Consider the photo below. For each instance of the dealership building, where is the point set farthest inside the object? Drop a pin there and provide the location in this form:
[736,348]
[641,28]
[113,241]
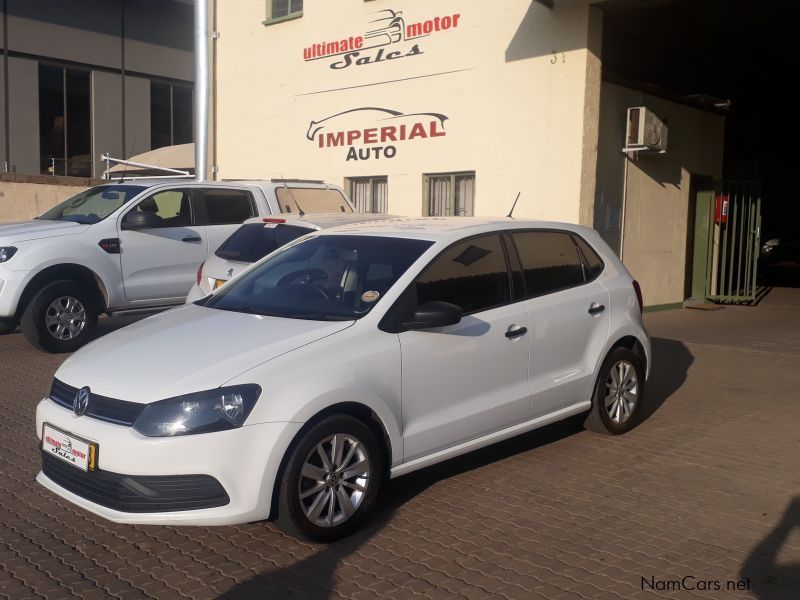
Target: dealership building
[455,107]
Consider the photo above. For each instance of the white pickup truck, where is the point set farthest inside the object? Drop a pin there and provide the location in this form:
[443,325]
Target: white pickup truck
[129,247]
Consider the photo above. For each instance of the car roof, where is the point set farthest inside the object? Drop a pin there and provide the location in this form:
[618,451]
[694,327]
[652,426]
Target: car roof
[262,183]
[319,220]
[447,228]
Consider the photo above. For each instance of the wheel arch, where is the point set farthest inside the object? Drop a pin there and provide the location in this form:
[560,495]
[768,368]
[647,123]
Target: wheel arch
[69,272]
[633,344]
[360,411]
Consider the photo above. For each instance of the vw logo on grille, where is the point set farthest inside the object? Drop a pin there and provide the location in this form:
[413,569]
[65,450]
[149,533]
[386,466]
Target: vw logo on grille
[81,402]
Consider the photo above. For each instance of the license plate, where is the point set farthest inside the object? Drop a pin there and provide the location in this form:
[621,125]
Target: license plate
[219,282]
[70,448]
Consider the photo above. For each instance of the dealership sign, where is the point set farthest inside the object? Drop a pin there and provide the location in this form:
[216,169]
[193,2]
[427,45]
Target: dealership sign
[371,132]
[389,37]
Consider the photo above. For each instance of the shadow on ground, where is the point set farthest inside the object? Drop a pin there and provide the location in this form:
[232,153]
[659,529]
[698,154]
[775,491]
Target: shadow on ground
[671,362]
[768,579]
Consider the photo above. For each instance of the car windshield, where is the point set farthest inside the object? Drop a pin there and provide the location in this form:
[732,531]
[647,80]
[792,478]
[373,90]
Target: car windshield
[324,278]
[92,205]
[253,241]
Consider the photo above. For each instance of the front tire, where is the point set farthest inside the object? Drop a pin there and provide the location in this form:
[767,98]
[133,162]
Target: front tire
[61,317]
[618,394]
[331,480]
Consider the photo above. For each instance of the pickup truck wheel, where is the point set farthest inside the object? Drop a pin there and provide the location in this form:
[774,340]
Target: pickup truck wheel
[61,317]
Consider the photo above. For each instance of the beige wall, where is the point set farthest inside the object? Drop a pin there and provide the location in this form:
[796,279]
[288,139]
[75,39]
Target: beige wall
[22,201]
[657,194]
[511,79]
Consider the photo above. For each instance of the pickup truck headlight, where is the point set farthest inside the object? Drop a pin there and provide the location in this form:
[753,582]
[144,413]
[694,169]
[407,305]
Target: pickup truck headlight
[201,412]
[6,252]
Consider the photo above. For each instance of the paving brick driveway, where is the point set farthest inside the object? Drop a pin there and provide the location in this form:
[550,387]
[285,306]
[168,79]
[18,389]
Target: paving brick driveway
[706,489]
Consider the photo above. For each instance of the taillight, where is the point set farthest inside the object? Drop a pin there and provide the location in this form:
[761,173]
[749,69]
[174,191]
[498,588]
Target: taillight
[200,272]
[273,220]
[637,288]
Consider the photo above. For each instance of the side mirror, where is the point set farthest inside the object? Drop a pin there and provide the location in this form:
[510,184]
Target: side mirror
[434,314]
[140,219]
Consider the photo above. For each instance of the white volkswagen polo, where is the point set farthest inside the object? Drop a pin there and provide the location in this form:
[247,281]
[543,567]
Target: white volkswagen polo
[354,354]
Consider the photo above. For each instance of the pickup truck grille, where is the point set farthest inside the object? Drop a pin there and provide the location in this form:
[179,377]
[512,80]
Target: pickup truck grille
[119,412]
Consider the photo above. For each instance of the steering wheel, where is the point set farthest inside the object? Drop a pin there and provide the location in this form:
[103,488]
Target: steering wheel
[302,278]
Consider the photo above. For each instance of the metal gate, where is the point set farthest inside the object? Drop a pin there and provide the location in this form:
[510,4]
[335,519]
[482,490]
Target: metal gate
[734,228]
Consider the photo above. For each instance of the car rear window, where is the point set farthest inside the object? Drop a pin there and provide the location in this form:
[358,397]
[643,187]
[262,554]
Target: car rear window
[311,200]
[254,241]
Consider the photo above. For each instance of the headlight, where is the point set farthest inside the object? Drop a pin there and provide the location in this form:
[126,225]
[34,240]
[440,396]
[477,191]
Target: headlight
[6,252]
[202,412]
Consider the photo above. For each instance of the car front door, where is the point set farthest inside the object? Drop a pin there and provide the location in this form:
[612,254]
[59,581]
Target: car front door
[569,313]
[466,380]
[160,260]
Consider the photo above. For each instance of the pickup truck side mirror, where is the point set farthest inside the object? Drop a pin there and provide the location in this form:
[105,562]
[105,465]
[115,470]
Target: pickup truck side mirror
[140,219]
[434,314]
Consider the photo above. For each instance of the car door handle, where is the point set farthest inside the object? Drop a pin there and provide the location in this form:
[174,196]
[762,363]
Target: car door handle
[596,309]
[516,332]
[192,238]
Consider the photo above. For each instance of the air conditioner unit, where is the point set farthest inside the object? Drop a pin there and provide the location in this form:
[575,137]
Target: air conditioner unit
[645,131]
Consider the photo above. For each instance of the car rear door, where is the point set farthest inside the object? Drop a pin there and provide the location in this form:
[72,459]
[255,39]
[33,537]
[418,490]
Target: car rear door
[569,314]
[470,379]
[160,263]
[220,211]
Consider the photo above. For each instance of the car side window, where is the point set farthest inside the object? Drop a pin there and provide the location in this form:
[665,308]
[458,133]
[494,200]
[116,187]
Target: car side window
[472,274]
[171,208]
[550,261]
[594,264]
[226,207]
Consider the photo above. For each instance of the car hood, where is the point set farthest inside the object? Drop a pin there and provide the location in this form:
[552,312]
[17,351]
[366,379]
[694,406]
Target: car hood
[187,349]
[34,230]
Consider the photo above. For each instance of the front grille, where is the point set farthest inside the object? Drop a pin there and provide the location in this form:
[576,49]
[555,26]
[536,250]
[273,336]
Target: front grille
[106,409]
[137,493]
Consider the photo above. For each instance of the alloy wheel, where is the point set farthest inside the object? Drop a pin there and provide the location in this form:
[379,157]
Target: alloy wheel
[622,391]
[334,480]
[65,318]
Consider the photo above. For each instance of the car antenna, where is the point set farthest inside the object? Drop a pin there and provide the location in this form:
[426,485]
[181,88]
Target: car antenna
[513,206]
[288,189]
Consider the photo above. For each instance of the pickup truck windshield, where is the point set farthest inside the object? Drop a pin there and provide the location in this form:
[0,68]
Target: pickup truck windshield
[92,205]
[322,278]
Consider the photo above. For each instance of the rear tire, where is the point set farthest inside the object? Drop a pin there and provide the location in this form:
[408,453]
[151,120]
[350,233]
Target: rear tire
[326,498]
[618,394]
[61,317]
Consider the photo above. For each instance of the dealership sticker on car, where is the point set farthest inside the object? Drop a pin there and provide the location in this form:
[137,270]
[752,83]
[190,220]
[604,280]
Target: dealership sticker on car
[219,282]
[69,448]
[370,296]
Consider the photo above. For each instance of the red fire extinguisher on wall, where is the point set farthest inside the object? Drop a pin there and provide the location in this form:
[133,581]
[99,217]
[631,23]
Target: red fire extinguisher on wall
[721,209]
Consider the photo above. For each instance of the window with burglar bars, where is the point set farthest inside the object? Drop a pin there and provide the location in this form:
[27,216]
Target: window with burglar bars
[282,9]
[369,194]
[450,194]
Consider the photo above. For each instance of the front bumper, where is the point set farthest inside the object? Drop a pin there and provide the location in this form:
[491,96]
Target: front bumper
[244,461]
[12,283]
